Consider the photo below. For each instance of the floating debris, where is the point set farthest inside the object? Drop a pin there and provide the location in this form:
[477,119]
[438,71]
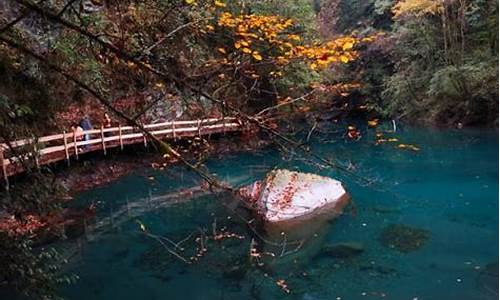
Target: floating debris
[380,139]
[353,133]
[283,285]
[373,123]
[409,147]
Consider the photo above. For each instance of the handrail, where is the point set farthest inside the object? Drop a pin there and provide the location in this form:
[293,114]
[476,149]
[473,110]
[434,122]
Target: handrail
[55,137]
[70,143]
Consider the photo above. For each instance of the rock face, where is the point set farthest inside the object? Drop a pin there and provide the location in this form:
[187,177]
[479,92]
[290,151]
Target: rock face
[286,197]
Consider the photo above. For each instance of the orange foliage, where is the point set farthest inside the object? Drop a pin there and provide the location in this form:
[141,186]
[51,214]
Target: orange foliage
[28,226]
[255,35]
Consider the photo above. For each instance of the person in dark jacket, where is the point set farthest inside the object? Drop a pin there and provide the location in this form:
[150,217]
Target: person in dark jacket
[85,124]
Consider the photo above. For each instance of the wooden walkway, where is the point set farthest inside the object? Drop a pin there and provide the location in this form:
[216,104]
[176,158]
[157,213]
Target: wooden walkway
[53,148]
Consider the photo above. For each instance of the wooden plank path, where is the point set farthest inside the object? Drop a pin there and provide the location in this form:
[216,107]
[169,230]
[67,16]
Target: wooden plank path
[53,148]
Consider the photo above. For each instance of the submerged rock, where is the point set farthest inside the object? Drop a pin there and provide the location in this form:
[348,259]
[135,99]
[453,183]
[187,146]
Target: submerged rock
[385,209]
[343,250]
[378,270]
[403,238]
[488,278]
[235,273]
[288,197]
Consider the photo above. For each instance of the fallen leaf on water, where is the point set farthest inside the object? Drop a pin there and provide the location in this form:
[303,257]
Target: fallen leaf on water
[373,123]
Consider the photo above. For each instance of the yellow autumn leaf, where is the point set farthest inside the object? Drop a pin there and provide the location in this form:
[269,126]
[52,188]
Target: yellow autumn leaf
[313,66]
[237,45]
[256,55]
[373,123]
[190,2]
[276,74]
[246,50]
[219,3]
[347,46]
[344,59]
[222,50]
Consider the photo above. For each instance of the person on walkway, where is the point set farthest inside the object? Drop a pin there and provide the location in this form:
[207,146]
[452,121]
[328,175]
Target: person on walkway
[106,123]
[85,124]
[78,133]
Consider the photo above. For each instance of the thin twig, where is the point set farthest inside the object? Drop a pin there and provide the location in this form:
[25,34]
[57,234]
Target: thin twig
[169,35]
[303,97]
[155,237]
[311,131]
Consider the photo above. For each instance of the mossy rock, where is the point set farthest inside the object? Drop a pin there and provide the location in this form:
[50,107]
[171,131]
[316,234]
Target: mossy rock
[404,238]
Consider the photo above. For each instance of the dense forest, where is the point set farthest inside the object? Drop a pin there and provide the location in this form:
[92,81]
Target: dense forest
[273,63]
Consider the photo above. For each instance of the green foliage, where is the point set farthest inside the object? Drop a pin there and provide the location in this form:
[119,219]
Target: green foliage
[419,72]
[299,77]
[303,11]
[446,85]
[23,108]
[38,194]
[467,92]
[34,273]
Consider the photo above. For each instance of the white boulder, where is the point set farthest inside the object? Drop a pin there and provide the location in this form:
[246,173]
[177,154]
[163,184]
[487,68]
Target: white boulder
[287,197]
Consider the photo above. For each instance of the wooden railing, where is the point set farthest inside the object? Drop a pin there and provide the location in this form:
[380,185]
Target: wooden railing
[62,146]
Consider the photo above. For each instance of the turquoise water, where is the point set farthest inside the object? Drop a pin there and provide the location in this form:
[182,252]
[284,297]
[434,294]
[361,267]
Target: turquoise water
[449,188]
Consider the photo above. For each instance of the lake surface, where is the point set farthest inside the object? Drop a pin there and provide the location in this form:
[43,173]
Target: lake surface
[447,190]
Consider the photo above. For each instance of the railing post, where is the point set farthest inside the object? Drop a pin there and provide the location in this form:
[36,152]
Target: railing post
[4,168]
[66,147]
[145,139]
[173,129]
[74,144]
[35,150]
[199,128]
[120,133]
[224,125]
[102,140]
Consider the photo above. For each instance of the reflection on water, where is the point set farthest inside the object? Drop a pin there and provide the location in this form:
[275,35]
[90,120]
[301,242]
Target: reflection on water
[429,230]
